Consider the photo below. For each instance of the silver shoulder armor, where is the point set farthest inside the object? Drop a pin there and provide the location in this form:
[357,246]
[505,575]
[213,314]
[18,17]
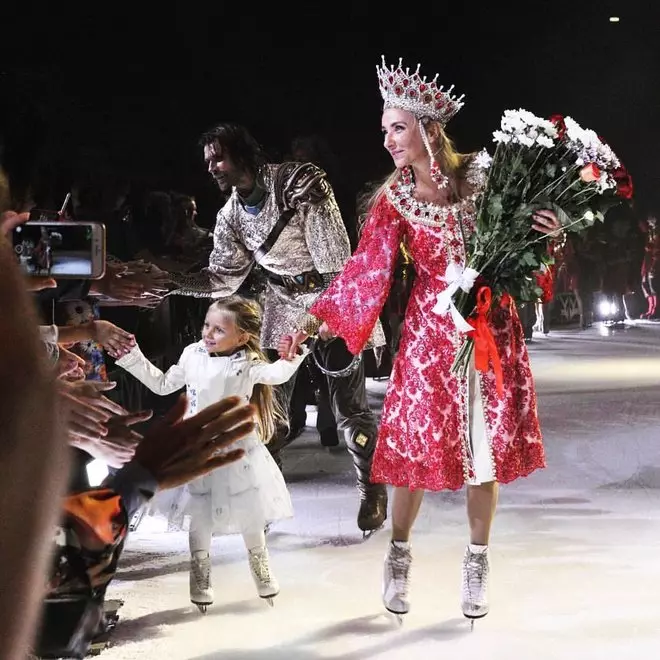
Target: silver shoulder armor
[300,183]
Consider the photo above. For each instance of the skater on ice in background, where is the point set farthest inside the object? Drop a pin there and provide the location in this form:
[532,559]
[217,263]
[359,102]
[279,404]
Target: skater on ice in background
[250,494]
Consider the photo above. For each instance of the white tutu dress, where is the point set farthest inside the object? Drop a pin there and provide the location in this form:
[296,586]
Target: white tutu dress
[245,495]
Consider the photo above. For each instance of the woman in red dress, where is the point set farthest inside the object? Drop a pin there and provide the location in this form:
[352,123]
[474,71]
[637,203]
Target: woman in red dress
[438,430]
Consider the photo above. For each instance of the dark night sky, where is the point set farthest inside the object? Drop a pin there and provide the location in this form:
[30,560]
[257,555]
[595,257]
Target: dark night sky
[144,86]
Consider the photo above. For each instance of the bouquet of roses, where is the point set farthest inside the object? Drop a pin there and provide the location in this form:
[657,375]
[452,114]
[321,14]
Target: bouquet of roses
[538,164]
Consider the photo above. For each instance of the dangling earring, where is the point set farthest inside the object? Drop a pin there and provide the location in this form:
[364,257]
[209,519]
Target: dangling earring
[437,176]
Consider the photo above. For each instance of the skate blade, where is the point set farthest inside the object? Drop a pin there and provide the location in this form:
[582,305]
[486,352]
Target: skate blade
[472,619]
[398,617]
[368,533]
[202,607]
[269,599]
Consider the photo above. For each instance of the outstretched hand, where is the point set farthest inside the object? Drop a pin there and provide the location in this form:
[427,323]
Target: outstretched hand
[88,410]
[133,283]
[115,341]
[176,451]
[118,447]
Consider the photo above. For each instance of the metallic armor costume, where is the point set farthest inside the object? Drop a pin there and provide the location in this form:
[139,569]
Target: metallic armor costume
[300,265]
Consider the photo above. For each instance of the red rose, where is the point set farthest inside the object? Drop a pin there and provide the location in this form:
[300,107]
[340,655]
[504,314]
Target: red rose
[590,173]
[624,184]
[545,280]
[558,121]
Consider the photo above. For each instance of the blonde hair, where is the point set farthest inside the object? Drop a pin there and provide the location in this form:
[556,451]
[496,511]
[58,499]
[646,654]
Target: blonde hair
[247,316]
[452,164]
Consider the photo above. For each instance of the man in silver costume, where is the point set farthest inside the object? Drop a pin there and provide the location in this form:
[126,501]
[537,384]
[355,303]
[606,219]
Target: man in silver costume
[296,264]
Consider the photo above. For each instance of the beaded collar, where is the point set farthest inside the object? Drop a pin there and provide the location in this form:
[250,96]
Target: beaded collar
[401,196]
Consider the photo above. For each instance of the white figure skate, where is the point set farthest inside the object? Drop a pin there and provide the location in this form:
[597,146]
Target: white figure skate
[267,585]
[396,579]
[201,592]
[474,597]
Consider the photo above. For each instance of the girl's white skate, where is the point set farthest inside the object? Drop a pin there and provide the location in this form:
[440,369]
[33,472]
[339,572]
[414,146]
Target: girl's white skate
[201,592]
[474,598]
[267,585]
[396,579]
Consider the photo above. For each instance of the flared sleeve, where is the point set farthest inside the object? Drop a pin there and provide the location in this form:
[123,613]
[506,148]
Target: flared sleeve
[352,303]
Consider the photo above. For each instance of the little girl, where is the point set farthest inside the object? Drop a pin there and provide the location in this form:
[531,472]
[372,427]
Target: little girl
[250,493]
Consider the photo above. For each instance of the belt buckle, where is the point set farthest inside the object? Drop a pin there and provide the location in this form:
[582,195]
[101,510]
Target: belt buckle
[303,283]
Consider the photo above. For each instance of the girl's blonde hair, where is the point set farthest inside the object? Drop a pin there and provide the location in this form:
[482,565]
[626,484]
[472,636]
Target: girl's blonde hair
[247,316]
[452,164]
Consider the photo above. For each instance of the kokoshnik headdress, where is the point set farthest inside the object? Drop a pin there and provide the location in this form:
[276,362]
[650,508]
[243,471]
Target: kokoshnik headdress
[423,98]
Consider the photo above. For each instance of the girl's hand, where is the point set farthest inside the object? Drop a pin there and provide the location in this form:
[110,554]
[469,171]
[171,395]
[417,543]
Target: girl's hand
[546,222]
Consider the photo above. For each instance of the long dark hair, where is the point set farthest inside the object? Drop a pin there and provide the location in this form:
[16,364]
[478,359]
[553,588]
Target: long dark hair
[245,152]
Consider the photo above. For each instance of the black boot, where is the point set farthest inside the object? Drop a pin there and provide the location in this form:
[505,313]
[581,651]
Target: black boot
[329,437]
[373,497]
[373,507]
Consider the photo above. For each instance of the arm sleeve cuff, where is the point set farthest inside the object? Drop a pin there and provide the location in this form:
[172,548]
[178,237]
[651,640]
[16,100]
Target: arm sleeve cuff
[134,484]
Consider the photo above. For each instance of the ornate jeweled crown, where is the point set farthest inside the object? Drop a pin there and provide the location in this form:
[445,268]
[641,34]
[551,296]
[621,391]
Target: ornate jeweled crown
[401,89]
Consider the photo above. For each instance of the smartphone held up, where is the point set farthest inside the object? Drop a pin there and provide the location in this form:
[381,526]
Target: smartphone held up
[46,246]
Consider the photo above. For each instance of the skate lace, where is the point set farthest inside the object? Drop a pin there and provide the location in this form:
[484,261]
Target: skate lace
[476,569]
[202,573]
[399,568]
[260,566]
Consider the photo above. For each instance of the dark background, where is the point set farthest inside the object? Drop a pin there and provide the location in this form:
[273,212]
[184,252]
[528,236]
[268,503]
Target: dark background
[128,90]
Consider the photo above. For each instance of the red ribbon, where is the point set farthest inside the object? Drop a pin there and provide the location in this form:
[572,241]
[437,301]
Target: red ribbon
[485,349]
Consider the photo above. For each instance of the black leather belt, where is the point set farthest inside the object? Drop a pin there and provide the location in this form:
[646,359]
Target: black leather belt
[303,283]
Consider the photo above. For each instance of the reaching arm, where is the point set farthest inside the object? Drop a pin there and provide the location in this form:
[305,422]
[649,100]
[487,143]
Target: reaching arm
[150,375]
[277,372]
[230,263]
[352,303]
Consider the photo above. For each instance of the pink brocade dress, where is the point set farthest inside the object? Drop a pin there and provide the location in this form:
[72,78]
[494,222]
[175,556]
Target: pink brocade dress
[424,435]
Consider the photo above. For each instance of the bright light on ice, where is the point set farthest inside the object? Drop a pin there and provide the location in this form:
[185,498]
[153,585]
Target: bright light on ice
[97,471]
